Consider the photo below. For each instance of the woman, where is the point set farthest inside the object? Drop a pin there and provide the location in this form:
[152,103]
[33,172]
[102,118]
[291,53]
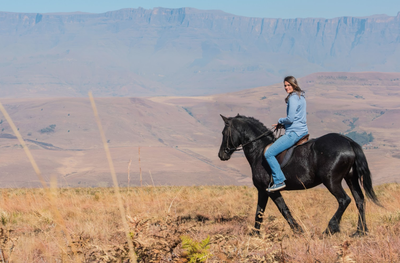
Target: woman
[295,125]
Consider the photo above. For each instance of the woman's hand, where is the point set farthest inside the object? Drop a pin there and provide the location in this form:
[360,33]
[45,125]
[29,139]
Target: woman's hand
[278,126]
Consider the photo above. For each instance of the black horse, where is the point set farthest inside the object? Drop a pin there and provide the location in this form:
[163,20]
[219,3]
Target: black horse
[328,160]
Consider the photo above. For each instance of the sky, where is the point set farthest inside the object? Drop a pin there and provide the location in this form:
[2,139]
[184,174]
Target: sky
[249,8]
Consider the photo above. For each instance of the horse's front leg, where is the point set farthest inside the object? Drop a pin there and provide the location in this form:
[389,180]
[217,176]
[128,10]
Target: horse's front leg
[280,203]
[261,204]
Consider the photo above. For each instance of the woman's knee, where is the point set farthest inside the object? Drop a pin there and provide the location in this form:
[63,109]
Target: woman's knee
[268,154]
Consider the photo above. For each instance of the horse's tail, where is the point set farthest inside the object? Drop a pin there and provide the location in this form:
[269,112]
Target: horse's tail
[361,170]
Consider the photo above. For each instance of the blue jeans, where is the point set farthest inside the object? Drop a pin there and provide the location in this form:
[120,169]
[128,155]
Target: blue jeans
[283,143]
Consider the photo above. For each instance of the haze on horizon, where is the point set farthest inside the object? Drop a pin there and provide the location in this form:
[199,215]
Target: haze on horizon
[252,8]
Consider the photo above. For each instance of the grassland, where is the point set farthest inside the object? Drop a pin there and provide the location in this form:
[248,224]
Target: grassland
[160,216]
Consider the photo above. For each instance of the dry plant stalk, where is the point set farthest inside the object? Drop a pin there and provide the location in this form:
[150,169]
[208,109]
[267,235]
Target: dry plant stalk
[51,197]
[114,177]
[140,170]
[129,172]
[169,208]
[151,177]
[7,244]
[343,253]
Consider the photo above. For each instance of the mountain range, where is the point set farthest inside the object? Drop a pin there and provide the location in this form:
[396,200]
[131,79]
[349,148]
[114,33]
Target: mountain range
[139,52]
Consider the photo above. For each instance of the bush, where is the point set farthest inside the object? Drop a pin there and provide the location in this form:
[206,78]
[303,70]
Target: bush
[48,129]
[360,138]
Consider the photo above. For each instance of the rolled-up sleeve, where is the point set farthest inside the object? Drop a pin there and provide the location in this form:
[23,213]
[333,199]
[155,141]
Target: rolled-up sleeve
[293,104]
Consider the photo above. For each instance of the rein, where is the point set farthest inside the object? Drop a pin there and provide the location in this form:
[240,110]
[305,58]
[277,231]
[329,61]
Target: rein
[240,147]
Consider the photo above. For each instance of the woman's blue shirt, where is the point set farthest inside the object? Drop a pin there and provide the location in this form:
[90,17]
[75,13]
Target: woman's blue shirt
[296,119]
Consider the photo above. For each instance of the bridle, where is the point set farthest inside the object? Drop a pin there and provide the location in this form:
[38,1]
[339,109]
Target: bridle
[240,147]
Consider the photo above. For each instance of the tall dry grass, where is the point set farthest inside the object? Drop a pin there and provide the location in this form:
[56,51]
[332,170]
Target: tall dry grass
[159,216]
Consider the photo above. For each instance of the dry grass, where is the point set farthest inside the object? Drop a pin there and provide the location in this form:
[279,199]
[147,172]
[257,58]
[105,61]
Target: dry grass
[159,216]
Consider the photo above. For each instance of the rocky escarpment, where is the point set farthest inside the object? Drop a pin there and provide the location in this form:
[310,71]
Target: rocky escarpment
[133,52]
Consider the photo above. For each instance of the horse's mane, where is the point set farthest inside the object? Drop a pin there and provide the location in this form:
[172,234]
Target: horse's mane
[256,123]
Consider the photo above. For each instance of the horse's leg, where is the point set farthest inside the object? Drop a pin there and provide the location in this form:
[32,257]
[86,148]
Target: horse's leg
[359,198]
[261,204]
[280,203]
[344,200]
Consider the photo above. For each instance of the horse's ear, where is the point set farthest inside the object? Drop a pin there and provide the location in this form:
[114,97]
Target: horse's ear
[226,120]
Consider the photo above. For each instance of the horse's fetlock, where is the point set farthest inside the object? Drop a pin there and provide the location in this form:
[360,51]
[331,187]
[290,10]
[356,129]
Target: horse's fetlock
[254,233]
[359,233]
[331,230]
[348,200]
[297,229]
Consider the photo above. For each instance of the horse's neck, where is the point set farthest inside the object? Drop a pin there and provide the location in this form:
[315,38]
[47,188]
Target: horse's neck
[254,149]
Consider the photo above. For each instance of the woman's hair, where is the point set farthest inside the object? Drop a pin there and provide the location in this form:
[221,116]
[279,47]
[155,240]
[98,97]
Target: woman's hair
[296,88]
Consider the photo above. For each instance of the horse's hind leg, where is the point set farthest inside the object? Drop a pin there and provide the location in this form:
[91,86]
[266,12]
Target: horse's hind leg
[358,195]
[344,201]
[280,203]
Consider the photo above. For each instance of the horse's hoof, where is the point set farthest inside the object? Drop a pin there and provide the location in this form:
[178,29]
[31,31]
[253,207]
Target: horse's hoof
[298,231]
[359,233]
[330,232]
[326,233]
[254,233]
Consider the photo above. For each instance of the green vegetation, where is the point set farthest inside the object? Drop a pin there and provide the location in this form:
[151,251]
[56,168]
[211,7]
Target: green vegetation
[188,111]
[196,251]
[360,138]
[379,114]
[49,129]
[351,123]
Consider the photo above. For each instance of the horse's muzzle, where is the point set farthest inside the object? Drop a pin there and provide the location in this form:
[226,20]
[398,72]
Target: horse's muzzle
[224,155]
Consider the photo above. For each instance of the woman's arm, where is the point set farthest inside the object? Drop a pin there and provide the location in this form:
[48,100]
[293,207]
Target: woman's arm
[293,103]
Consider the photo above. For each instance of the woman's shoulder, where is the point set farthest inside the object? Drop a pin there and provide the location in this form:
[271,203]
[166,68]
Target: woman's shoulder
[296,96]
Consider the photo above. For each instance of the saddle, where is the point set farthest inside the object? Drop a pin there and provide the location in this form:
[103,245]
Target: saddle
[284,157]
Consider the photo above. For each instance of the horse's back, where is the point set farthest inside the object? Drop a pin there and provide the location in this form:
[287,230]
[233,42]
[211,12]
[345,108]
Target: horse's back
[332,142]
[318,160]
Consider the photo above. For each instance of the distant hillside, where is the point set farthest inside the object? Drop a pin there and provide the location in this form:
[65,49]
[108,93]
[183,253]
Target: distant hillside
[177,138]
[138,52]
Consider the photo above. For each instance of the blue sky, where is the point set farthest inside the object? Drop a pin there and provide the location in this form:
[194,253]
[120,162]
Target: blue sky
[251,8]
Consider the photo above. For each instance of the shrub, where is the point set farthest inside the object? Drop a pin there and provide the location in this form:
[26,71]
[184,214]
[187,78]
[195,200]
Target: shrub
[48,129]
[360,138]
[196,251]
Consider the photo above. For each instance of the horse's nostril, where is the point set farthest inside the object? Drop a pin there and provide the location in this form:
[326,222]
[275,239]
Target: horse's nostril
[226,150]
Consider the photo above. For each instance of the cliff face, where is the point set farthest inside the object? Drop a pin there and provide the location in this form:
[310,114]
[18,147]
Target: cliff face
[134,52]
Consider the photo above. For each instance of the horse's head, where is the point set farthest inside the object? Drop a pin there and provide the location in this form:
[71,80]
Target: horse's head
[230,139]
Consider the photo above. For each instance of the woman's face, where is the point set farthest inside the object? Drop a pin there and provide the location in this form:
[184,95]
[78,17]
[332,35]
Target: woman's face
[288,87]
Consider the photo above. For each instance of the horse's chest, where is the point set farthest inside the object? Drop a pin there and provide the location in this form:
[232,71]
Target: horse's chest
[260,174]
